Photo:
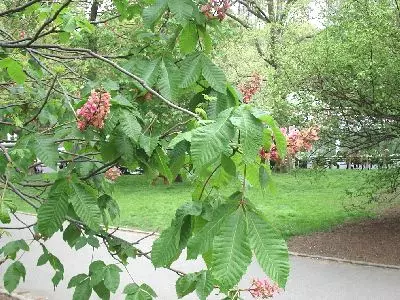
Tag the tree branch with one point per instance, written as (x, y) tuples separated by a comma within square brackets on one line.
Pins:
[(44, 102), (19, 8)]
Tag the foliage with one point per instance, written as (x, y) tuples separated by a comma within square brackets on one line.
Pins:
[(90, 99)]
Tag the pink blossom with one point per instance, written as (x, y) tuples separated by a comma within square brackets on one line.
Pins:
[(112, 173), (216, 9), (94, 111), (297, 141), (263, 289), (250, 88)]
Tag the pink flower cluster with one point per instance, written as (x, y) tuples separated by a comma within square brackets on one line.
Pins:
[(300, 140), (263, 289), (94, 111), (112, 173), (216, 9), (297, 141), (250, 88)]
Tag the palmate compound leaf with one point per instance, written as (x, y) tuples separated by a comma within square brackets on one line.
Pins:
[(160, 159), (269, 248), (251, 133), (153, 13), (188, 38), (214, 75), (191, 70), (130, 125), (167, 248), (46, 150), (84, 202), (210, 141), (182, 9), (169, 80), (231, 251), (52, 213), (202, 241)]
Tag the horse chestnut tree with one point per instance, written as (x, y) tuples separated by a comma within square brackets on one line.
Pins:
[(73, 85)]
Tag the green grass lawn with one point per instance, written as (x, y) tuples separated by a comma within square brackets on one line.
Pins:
[(304, 201)]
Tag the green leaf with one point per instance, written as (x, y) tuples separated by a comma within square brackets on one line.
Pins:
[(251, 133), (11, 249), (76, 280), (112, 277), (191, 70), (148, 143), (96, 272), (80, 243), (269, 248), (130, 126), (166, 248), (228, 165), (172, 240), (71, 234), (154, 12), (46, 150), (135, 292), (161, 163), (182, 9), (205, 39), (56, 279), (13, 275), (280, 139), (202, 241), (111, 85), (214, 75), (149, 71), (43, 259), (204, 285), (85, 205), (16, 72), (210, 141), (83, 290), (188, 38), (186, 284), (231, 251), (93, 241), (169, 80), (52, 213), (102, 291), (263, 175)]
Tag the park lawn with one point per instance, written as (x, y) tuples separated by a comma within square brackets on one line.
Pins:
[(305, 201)]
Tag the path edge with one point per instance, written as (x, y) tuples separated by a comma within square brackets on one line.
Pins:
[(298, 254)]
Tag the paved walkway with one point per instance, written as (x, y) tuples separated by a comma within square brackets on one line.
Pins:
[(309, 278)]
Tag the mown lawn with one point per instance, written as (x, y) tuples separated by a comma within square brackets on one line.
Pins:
[(304, 201)]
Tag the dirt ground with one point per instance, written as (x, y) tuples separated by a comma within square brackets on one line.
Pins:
[(375, 241)]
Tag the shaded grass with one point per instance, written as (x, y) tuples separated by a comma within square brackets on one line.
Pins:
[(305, 201)]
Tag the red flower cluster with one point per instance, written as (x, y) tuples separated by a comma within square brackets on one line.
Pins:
[(263, 289), (216, 9), (250, 88), (112, 173), (94, 111), (297, 141)]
